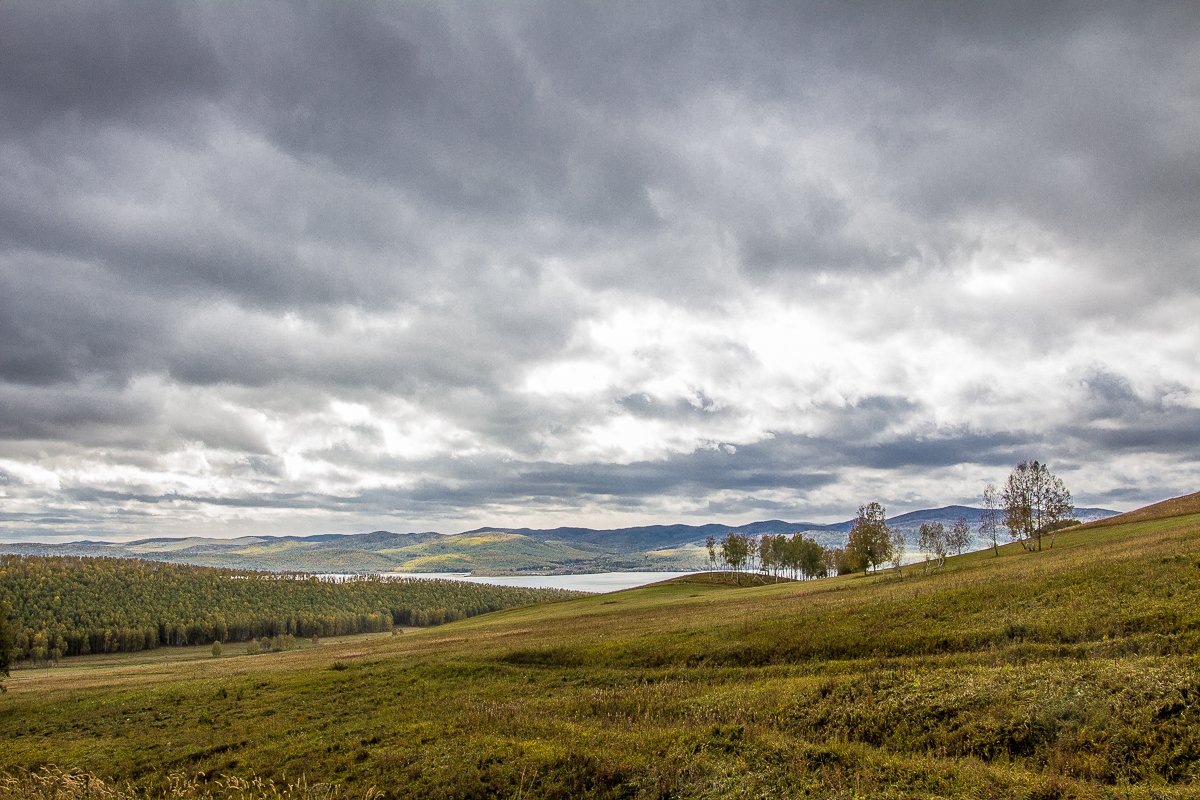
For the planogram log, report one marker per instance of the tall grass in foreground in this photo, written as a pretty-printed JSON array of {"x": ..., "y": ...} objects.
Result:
[{"x": 52, "y": 783}]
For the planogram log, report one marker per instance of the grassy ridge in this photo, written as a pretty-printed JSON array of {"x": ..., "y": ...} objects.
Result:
[
  {"x": 1174, "y": 507},
  {"x": 1067, "y": 673}
]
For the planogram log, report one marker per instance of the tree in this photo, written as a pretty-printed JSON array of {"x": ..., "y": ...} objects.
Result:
[
  {"x": 837, "y": 562},
  {"x": 6, "y": 643},
  {"x": 1036, "y": 502},
  {"x": 989, "y": 521},
  {"x": 767, "y": 555},
  {"x": 959, "y": 536},
  {"x": 870, "y": 542},
  {"x": 934, "y": 541},
  {"x": 216, "y": 649},
  {"x": 710, "y": 544},
  {"x": 810, "y": 557},
  {"x": 735, "y": 549},
  {"x": 898, "y": 545}
]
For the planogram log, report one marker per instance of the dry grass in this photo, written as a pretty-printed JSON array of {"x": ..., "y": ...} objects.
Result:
[
  {"x": 1073, "y": 672},
  {"x": 1175, "y": 507}
]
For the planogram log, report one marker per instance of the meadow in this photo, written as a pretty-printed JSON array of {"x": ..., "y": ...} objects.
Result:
[{"x": 1072, "y": 672}]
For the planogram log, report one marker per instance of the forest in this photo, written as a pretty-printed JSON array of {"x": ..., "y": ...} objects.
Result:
[{"x": 65, "y": 606}]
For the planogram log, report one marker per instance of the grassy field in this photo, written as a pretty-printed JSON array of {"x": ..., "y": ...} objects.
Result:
[{"x": 1073, "y": 672}]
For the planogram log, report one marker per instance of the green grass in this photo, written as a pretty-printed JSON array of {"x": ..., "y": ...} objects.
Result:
[{"x": 1073, "y": 672}]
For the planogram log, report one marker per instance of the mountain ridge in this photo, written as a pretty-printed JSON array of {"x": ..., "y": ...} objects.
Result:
[{"x": 490, "y": 549}]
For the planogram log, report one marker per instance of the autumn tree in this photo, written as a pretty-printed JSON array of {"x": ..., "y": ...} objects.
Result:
[
  {"x": 1035, "y": 503},
  {"x": 870, "y": 542},
  {"x": 710, "y": 544},
  {"x": 837, "y": 561}
]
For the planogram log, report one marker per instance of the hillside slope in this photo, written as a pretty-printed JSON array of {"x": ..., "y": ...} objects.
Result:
[
  {"x": 1071, "y": 672},
  {"x": 1174, "y": 507}
]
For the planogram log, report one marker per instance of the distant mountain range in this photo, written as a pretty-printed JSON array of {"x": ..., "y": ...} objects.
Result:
[{"x": 493, "y": 551}]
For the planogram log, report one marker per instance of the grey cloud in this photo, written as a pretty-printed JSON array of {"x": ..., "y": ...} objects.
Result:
[
  {"x": 1115, "y": 418},
  {"x": 946, "y": 448},
  {"x": 644, "y": 405},
  {"x": 61, "y": 320},
  {"x": 272, "y": 207},
  {"x": 103, "y": 62},
  {"x": 83, "y": 415},
  {"x": 496, "y": 483}
]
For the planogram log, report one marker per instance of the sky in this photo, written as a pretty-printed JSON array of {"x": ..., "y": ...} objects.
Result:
[{"x": 286, "y": 268}]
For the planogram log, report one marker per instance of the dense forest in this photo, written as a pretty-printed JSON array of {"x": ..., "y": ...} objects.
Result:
[{"x": 63, "y": 606}]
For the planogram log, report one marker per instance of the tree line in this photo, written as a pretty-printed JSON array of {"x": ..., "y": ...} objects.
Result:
[
  {"x": 1033, "y": 506},
  {"x": 779, "y": 555},
  {"x": 64, "y": 606}
]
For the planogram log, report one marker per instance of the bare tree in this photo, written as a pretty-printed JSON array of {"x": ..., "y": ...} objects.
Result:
[
  {"x": 989, "y": 522},
  {"x": 959, "y": 536},
  {"x": 898, "y": 546},
  {"x": 933, "y": 540}
]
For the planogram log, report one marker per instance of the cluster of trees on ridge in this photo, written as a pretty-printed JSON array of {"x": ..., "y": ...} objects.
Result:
[
  {"x": 63, "y": 606},
  {"x": 794, "y": 556},
  {"x": 1033, "y": 505}
]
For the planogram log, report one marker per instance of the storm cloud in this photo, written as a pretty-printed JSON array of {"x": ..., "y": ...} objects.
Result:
[{"x": 280, "y": 268}]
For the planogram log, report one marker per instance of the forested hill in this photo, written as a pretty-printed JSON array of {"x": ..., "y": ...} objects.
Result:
[
  {"x": 68, "y": 606},
  {"x": 492, "y": 551}
]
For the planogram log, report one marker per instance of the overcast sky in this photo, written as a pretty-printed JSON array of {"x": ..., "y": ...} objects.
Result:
[{"x": 277, "y": 268}]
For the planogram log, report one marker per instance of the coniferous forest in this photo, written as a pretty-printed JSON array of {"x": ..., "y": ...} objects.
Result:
[{"x": 65, "y": 606}]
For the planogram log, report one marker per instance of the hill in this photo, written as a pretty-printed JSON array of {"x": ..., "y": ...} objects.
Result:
[
  {"x": 1071, "y": 672},
  {"x": 1174, "y": 507},
  {"x": 489, "y": 551},
  {"x": 63, "y": 606}
]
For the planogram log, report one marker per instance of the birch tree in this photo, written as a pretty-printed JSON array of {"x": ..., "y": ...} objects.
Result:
[
  {"x": 989, "y": 522},
  {"x": 934, "y": 542},
  {"x": 1035, "y": 501},
  {"x": 870, "y": 542},
  {"x": 960, "y": 535}
]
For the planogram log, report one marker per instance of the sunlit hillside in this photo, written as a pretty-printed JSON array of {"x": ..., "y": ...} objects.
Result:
[{"x": 1071, "y": 672}]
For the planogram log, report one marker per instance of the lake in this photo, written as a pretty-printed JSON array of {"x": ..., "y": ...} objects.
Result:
[{"x": 598, "y": 582}]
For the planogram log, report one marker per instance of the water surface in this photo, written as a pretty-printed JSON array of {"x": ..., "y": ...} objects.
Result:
[{"x": 598, "y": 582}]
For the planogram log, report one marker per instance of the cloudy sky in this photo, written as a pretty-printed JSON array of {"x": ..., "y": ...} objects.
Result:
[{"x": 286, "y": 268}]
